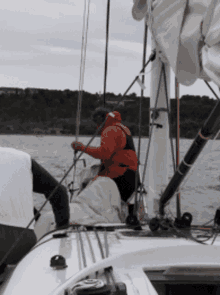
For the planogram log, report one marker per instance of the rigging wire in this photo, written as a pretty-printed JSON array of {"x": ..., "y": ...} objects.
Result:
[
  {"x": 208, "y": 222},
  {"x": 151, "y": 58},
  {"x": 178, "y": 209},
  {"x": 137, "y": 204},
  {"x": 106, "y": 49},
  {"x": 169, "y": 117},
  {"x": 81, "y": 80},
  {"x": 82, "y": 63},
  {"x": 171, "y": 140},
  {"x": 150, "y": 136},
  {"x": 211, "y": 89},
  {"x": 214, "y": 238}
]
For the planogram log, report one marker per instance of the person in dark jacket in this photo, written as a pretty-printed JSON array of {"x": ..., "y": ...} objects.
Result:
[{"x": 117, "y": 152}]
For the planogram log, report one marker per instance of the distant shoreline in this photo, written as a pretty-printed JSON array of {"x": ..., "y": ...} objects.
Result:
[
  {"x": 45, "y": 134},
  {"x": 41, "y": 112},
  {"x": 73, "y": 135}
]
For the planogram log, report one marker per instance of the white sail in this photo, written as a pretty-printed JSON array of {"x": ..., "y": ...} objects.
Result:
[{"x": 188, "y": 33}]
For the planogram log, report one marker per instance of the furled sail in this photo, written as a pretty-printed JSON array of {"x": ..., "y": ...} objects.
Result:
[{"x": 188, "y": 35}]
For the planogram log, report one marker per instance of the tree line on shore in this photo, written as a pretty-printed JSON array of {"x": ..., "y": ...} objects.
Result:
[{"x": 54, "y": 112}]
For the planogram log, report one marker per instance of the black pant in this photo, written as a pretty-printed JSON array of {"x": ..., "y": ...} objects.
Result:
[
  {"x": 126, "y": 184},
  {"x": 44, "y": 183},
  {"x": 8, "y": 236}
]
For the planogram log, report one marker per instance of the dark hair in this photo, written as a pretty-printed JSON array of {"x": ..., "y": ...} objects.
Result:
[{"x": 100, "y": 114}]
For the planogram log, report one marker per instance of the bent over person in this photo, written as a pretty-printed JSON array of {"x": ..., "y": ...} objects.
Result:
[
  {"x": 20, "y": 176},
  {"x": 117, "y": 152}
]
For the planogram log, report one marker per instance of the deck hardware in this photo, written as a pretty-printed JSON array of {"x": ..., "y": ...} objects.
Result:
[
  {"x": 58, "y": 262},
  {"x": 60, "y": 236}
]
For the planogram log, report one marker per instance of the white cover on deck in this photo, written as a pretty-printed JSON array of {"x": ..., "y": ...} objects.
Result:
[
  {"x": 16, "y": 200},
  {"x": 188, "y": 34},
  {"x": 99, "y": 202}
]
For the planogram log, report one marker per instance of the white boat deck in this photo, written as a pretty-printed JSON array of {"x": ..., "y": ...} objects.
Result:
[{"x": 84, "y": 255}]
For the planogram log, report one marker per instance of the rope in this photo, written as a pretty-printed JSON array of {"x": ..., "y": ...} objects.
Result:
[
  {"x": 82, "y": 247},
  {"x": 106, "y": 48},
  {"x": 102, "y": 254},
  {"x": 90, "y": 245},
  {"x": 81, "y": 80},
  {"x": 215, "y": 236},
  {"x": 189, "y": 236},
  {"x": 106, "y": 244}
]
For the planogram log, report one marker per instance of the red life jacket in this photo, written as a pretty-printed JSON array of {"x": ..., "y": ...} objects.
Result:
[
  {"x": 116, "y": 150},
  {"x": 121, "y": 161}
]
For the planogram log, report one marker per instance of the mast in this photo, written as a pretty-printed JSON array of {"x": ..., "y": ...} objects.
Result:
[
  {"x": 207, "y": 131},
  {"x": 159, "y": 134}
]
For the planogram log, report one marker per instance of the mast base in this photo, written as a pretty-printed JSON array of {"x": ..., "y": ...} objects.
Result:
[{"x": 166, "y": 224}]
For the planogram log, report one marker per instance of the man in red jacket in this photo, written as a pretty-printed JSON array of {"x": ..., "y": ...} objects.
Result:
[{"x": 117, "y": 152}]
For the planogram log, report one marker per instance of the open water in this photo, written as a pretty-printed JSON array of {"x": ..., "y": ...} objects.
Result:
[{"x": 199, "y": 196}]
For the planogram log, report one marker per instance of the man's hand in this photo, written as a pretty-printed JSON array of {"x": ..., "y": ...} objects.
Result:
[{"x": 77, "y": 146}]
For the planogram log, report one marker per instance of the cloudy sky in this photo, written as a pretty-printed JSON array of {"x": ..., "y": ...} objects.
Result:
[{"x": 41, "y": 46}]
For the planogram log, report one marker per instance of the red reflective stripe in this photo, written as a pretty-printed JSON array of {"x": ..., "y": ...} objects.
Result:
[
  {"x": 203, "y": 137},
  {"x": 124, "y": 128}
]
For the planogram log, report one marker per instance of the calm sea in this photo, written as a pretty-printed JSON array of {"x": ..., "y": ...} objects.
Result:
[{"x": 200, "y": 194}]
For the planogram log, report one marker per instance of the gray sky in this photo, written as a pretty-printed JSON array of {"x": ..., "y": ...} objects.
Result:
[{"x": 41, "y": 46}]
